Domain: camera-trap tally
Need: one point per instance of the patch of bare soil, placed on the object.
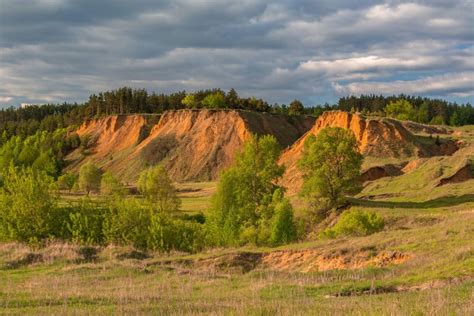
(413, 164)
(378, 172)
(416, 128)
(311, 261)
(463, 174)
(299, 261)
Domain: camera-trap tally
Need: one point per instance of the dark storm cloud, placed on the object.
(58, 50)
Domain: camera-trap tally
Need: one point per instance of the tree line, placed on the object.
(28, 120)
(414, 108)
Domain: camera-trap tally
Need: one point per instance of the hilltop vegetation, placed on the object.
(28, 120)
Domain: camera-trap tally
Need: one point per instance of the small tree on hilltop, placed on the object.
(296, 108)
(158, 188)
(189, 101)
(89, 178)
(214, 101)
(331, 168)
(400, 109)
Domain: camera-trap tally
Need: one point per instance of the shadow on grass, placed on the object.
(439, 202)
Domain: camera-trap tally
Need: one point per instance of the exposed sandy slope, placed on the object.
(193, 145)
(382, 138)
(110, 141)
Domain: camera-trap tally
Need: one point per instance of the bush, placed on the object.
(89, 178)
(355, 223)
(132, 222)
(283, 225)
(27, 208)
(67, 181)
(158, 188)
(111, 186)
(167, 234)
(84, 223)
(127, 222)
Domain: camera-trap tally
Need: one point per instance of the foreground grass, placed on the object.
(436, 279)
(127, 288)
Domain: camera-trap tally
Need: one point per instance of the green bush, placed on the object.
(166, 234)
(111, 186)
(127, 222)
(27, 207)
(355, 223)
(84, 223)
(132, 222)
(158, 188)
(89, 178)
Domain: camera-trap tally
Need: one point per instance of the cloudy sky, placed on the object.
(316, 51)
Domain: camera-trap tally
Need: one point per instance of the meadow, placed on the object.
(421, 263)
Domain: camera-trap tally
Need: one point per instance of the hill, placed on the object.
(380, 138)
(194, 145)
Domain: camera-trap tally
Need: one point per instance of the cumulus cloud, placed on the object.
(457, 84)
(58, 50)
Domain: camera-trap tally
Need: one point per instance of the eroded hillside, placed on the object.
(378, 138)
(193, 145)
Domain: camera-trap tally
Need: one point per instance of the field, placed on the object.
(421, 263)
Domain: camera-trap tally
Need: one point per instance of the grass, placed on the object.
(196, 196)
(437, 279)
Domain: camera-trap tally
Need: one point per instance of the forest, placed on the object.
(28, 120)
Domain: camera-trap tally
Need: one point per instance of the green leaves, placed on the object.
(400, 109)
(242, 209)
(27, 208)
(89, 178)
(331, 167)
(42, 151)
(355, 223)
(158, 188)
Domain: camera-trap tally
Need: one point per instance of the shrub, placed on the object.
(84, 223)
(355, 223)
(127, 222)
(27, 208)
(167, 234)
(67, 181)
(158, 188)
(111, 186)
(89, 178)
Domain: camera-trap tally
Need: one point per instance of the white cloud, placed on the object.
(455, 84)
(367, 63)
(5, 99)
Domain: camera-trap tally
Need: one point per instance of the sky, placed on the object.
(316, 51)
